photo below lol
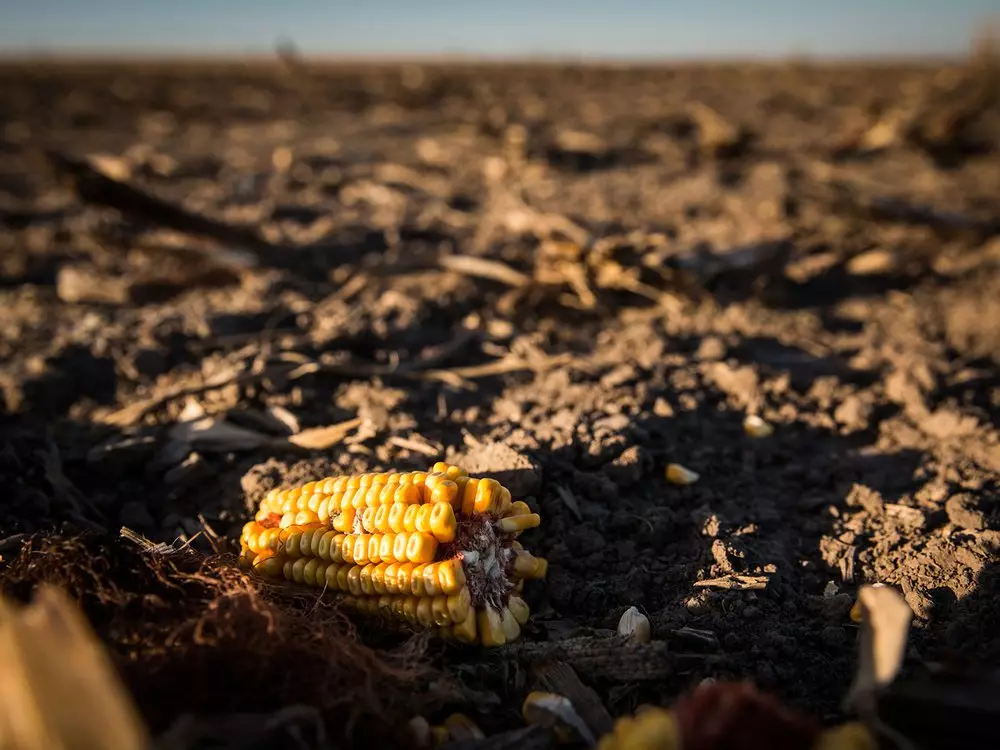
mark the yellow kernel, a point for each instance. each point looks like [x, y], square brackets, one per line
[422, 518]
[524, 565]
[323, 509]
[389, 578]
[380, 519]
[517, 524]
[425, 611]
[403, 575]
[298, 569]
[345, 521]
[442, 522]
[386, 545]
[378, 578]
[853, 735]
[368, 520]
[399, 546]
[374, 542]
[756, 427]
[505, 501]
[429, 574]
[325, 542]
[410, 608]
[354, 580]
[288, 519]
[410, 517]
[511, 628]
[451, 576]
[407, 494]
[466, 630]
[677, 474]
[519, 508]
[469, 497]
[347, 547]
[331, 576]
[519, 608]
[367, 584]
[439, 610]
[487, 496]
[305, 516]
[361, 548]
[313, 571]
[272, 566]
[459, 605]
[291, 542]
[444, 491]
[396, 517]
[454, 472]
[439, 468]
[417, 580]
[490, 627]
[421, 548]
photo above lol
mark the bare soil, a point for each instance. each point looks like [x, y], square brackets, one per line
[636, 274]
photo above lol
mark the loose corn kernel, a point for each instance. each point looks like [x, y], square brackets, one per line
[850, 736]
[677, 474]
[429, 548]
[651, 729]
[635, 625]
[756, 427]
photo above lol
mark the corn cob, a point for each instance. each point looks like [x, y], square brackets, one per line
[435, 548]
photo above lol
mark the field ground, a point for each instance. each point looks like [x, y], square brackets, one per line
[569, 277]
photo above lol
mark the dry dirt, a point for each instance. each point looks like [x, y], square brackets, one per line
[819, 248]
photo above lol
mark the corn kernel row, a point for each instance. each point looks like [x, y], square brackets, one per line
[328, 497]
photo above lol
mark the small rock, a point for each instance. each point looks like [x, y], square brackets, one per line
[662, 408]
[739, 383]
[853, 412]
[867, 498]
[962, 512]
[710, 349]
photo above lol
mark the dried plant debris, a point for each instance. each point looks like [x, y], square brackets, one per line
[59, 687]
[206, 627]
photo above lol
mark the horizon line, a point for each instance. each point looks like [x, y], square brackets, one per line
[276, 56]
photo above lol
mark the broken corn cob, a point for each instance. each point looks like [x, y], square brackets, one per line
[433, 548]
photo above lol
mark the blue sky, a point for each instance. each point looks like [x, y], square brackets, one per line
[626, 28]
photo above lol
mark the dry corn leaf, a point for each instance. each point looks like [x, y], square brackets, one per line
[885, 625]
[556, 712]
[58, 689]
[217, 436]
[320, 438]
